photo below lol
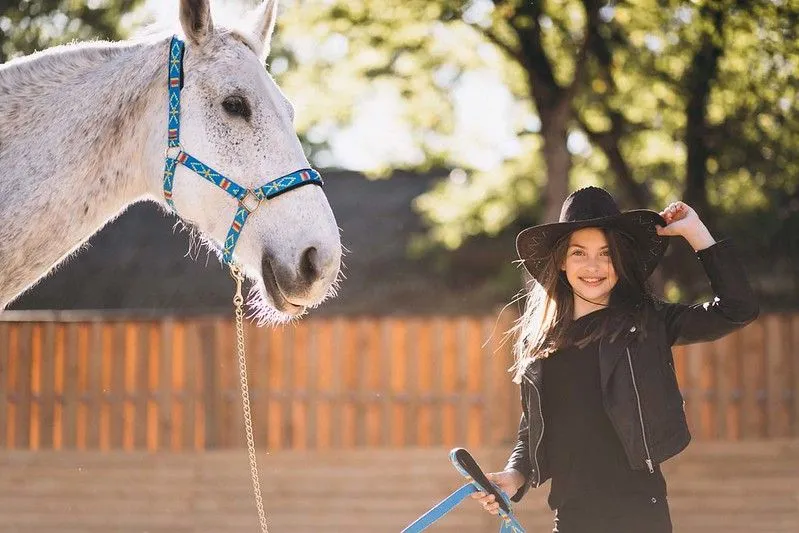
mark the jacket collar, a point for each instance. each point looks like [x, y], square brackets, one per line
[610, 353]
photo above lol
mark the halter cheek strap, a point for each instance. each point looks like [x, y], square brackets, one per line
[248, 199]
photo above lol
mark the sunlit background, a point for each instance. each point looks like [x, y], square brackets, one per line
[442, 128]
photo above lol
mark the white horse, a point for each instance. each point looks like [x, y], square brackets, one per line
[83, 132]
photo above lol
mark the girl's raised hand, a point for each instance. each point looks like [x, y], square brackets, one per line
[680, 218]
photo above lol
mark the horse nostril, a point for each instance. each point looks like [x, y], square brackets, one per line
[309, 265]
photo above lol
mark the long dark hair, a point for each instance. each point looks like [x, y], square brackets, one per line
[549, 309]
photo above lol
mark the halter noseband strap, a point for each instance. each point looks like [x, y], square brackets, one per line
[248, 199]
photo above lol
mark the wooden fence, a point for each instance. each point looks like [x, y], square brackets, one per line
[99, 381]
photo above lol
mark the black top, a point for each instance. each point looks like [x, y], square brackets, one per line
[586, 458]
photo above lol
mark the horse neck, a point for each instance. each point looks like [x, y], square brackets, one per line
[82, 137]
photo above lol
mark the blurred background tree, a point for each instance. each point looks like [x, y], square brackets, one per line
[30, 25]
[656, 100]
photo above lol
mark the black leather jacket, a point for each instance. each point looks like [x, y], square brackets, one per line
[639, 385]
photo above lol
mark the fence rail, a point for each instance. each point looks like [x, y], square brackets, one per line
[108, 382]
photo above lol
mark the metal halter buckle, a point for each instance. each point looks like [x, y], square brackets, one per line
[172, 152]
[254, 202]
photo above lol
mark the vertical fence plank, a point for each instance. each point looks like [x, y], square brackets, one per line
[438, 403]
[116, 392]
[693, 380]
[287, 356]
[209, 387]
[311, 383]
[106, 378]
[12, 412]
[94, 418]
[349, 376]
[276, 387]
[46, 396]
[141, 390]
[23, 418]
[255, 379]
[165, 397]
[461, 394]
[475, 379]
[299, 408]
[190, 376]
[449, 366]
[337, 392]
[777, 372]
[426, 363]
[728, 386]
[795, 368]
[324, 383]
[412, 382]
[503, 407]
[129, 359]
[35, 378]
[494, 423]
[59, 357]
[178, 385]
[154, 386]
[72, 380]
[227, 384]
[262, 337]
[754, 377]
[59, 374]
[372, 365]
[197, 377]
[383, 389]
[87, 365]
[397, 389]
[5, 389]
[708, 392]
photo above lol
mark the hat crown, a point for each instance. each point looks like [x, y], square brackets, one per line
[588, 203]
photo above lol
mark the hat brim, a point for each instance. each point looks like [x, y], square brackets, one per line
[534, 245]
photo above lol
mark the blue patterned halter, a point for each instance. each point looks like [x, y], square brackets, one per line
[248, 199]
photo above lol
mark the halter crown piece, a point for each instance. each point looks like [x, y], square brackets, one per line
[248, 199]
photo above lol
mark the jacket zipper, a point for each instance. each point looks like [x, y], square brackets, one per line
[640, 414]
[540, 436]
[677, 381]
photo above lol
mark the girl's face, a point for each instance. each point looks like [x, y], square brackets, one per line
[588, 266]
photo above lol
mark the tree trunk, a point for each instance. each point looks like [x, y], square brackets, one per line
[704, 69]
[554, 130]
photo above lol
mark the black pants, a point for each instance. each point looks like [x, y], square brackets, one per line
[633, 514]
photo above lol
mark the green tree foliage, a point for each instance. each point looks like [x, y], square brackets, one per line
[656, 100]
[30, 25]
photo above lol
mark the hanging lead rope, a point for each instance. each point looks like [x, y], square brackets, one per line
[238, 302]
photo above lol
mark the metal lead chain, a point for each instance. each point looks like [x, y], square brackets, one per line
[238, 302]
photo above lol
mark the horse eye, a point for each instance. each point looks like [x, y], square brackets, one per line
[237, 106]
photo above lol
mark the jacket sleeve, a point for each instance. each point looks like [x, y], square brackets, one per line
[520, 456]
[733, 306]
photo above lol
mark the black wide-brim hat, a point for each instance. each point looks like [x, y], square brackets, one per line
[588, 208]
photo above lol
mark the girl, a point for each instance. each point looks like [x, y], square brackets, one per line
[601, 408]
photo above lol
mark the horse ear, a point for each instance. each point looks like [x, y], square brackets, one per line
[195, 17]
[265, 17]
